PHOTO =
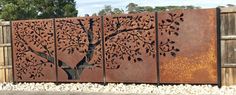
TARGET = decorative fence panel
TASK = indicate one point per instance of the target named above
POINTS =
(79, 49)
(188, 46)
(165, 47)
(130, 48)
(33, 50)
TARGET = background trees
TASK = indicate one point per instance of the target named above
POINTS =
(131, 7)
(108, 10)
(135, 8)
(31, 9)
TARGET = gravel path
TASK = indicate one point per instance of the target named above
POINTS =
(98, 89)
(57, 93)
(46, 93)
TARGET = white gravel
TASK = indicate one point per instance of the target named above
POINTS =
(121, 88)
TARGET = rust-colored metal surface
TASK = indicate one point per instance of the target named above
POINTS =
(120, 48)
(79, 49)
(187, 46)
(33, 50)
(130, 48)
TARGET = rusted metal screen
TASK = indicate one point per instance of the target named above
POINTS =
(165, 47)
(33, 50)
(79, 49)
(187, 45)
(130, 48)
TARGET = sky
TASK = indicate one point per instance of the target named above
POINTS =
(94, 6)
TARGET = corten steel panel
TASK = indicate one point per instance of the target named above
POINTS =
(79, 49)
(130, 48)
(187, 46)
(33, 50)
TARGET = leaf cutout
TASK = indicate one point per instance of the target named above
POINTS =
(152, 42)
(122, 58)
(147, 50)
(182, 14)
(172, 42)
(138, 43)
(172, 27)
(137, 50)
(162, 21)
(129, 58)
(41, 61)
(134, 60)
(19, 77)
(168, 20)
(118, 67)
(114, 55)
(173, 47)
(173, 54)
(170, 14)
(177, 23)
(177, 50)
(31, 76)
(139, 59)
(177, 29)
(176, 33)
(167, 45)
(169, 33)
(72, 50)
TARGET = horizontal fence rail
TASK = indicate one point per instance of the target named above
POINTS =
(5, 67)
(5, 45)
(232, 37)
(228, 65)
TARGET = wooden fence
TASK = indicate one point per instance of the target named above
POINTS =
(5, 52)
(228, 48)
(228, 45)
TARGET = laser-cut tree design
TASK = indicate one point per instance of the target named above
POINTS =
(39, 35)
(81, 35)
(34, 42)
(128, 37)
(29, 37)
(170, 27)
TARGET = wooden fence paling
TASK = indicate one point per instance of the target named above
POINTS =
(5, 52)
(228, 45)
